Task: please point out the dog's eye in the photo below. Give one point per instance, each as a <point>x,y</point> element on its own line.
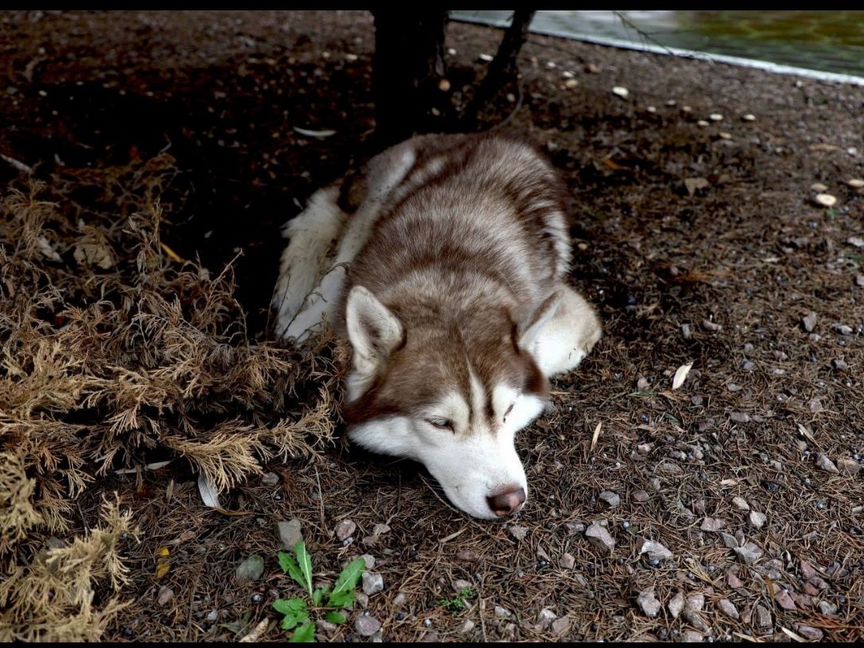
<point>509,409</point>
<point>441,423</point>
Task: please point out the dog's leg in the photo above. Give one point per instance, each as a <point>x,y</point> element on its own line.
<point>312,234</point>
<point>568,336</point>
<point>385,172</point>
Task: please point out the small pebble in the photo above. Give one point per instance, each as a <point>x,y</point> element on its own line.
<point>366,625</point>
<point>724,135</point>
<point>818,187</point>
<point>702,123</point>
<point>762,617</point>
<point>487,58</point>
<point>848,467</point>
<point>372,583</point>
<point>290,533</point>
<point>561,625</point>
<point>567,561</point>
<point>784,600</point>
<point>518,532</point>
<point>600,538</point>
<point>827,608</point>
<point>655,550</point>
<point>748,117</point>
<point>823,462</point>
<point>825,200</point>
<point>270,479</point>
<point>855,183</point>
<point>676,605</point>
<point>715,117</point>
<point>571,83</point>
<point>749,553</point>
<point>809,321</point>
<point>648,603</point>
<point>620,91</point>
<point>345,529</point>
<point>692,636</point>
<point>757,520</point>
<point>640,496</point>
<point>545,618</point>
<point>809,632</point>
<point>502,613</point>
<point>166,594</point>
<point>250,569</point>
<point>467,627</point>
<point>611,499</point>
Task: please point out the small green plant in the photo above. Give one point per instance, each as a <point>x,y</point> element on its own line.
<point>297,611</point>
<point>460,601</point>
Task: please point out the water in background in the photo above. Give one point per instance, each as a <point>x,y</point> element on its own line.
<point>830,41</point>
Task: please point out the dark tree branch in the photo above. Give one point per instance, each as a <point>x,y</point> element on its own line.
<point>504,67</point>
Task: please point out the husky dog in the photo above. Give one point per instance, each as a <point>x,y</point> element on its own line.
<point>447,277</point>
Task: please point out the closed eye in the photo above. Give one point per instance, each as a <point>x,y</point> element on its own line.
<point>509,409</point>
<point>441,423</point>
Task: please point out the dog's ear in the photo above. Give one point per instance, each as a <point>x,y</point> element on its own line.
<point>531,328</point>
<point>373,330</point>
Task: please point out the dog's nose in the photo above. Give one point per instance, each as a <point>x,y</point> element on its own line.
<point>508,502</point>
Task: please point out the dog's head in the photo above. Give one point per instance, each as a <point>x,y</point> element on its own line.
<point>450,396</point>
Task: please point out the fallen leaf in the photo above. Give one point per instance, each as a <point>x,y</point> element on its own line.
<point>96,254</point>
<point>694,184</point>
<point>596,435</point>
<point>47,249</point>
<point>209,495</point>
<point>681,375</point>
<point>321,134</point>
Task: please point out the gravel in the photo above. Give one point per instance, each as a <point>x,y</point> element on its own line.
<point>600,538</point>
<point>345,529</point>
<point>648,603</point>
<point>290,533</point>
<point>372,583</point>
<point>367,625</point>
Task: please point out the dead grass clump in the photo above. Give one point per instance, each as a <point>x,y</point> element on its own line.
<point>54,599</point>
<point>113,355</point>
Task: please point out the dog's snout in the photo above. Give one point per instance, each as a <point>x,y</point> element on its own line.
<point>507,502</point>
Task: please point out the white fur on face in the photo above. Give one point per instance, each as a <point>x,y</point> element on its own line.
<point>470,464</point>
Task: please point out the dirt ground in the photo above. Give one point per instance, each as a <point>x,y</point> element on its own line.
<point>699,241</point>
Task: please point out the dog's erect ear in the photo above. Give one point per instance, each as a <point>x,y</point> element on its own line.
<point>373,330</point>
<point>531,328</point>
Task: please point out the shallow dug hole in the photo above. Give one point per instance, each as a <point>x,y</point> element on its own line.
<point>138,260</point>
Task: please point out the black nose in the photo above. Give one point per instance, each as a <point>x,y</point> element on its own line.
<point>507,502</point>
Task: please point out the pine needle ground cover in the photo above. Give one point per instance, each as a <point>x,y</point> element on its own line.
<point>729,508</point>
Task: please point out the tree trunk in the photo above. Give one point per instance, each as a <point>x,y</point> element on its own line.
<point>504,67</point>
<point>409,61</point>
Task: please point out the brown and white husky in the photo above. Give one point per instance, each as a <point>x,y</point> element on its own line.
<point>447,276</point>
